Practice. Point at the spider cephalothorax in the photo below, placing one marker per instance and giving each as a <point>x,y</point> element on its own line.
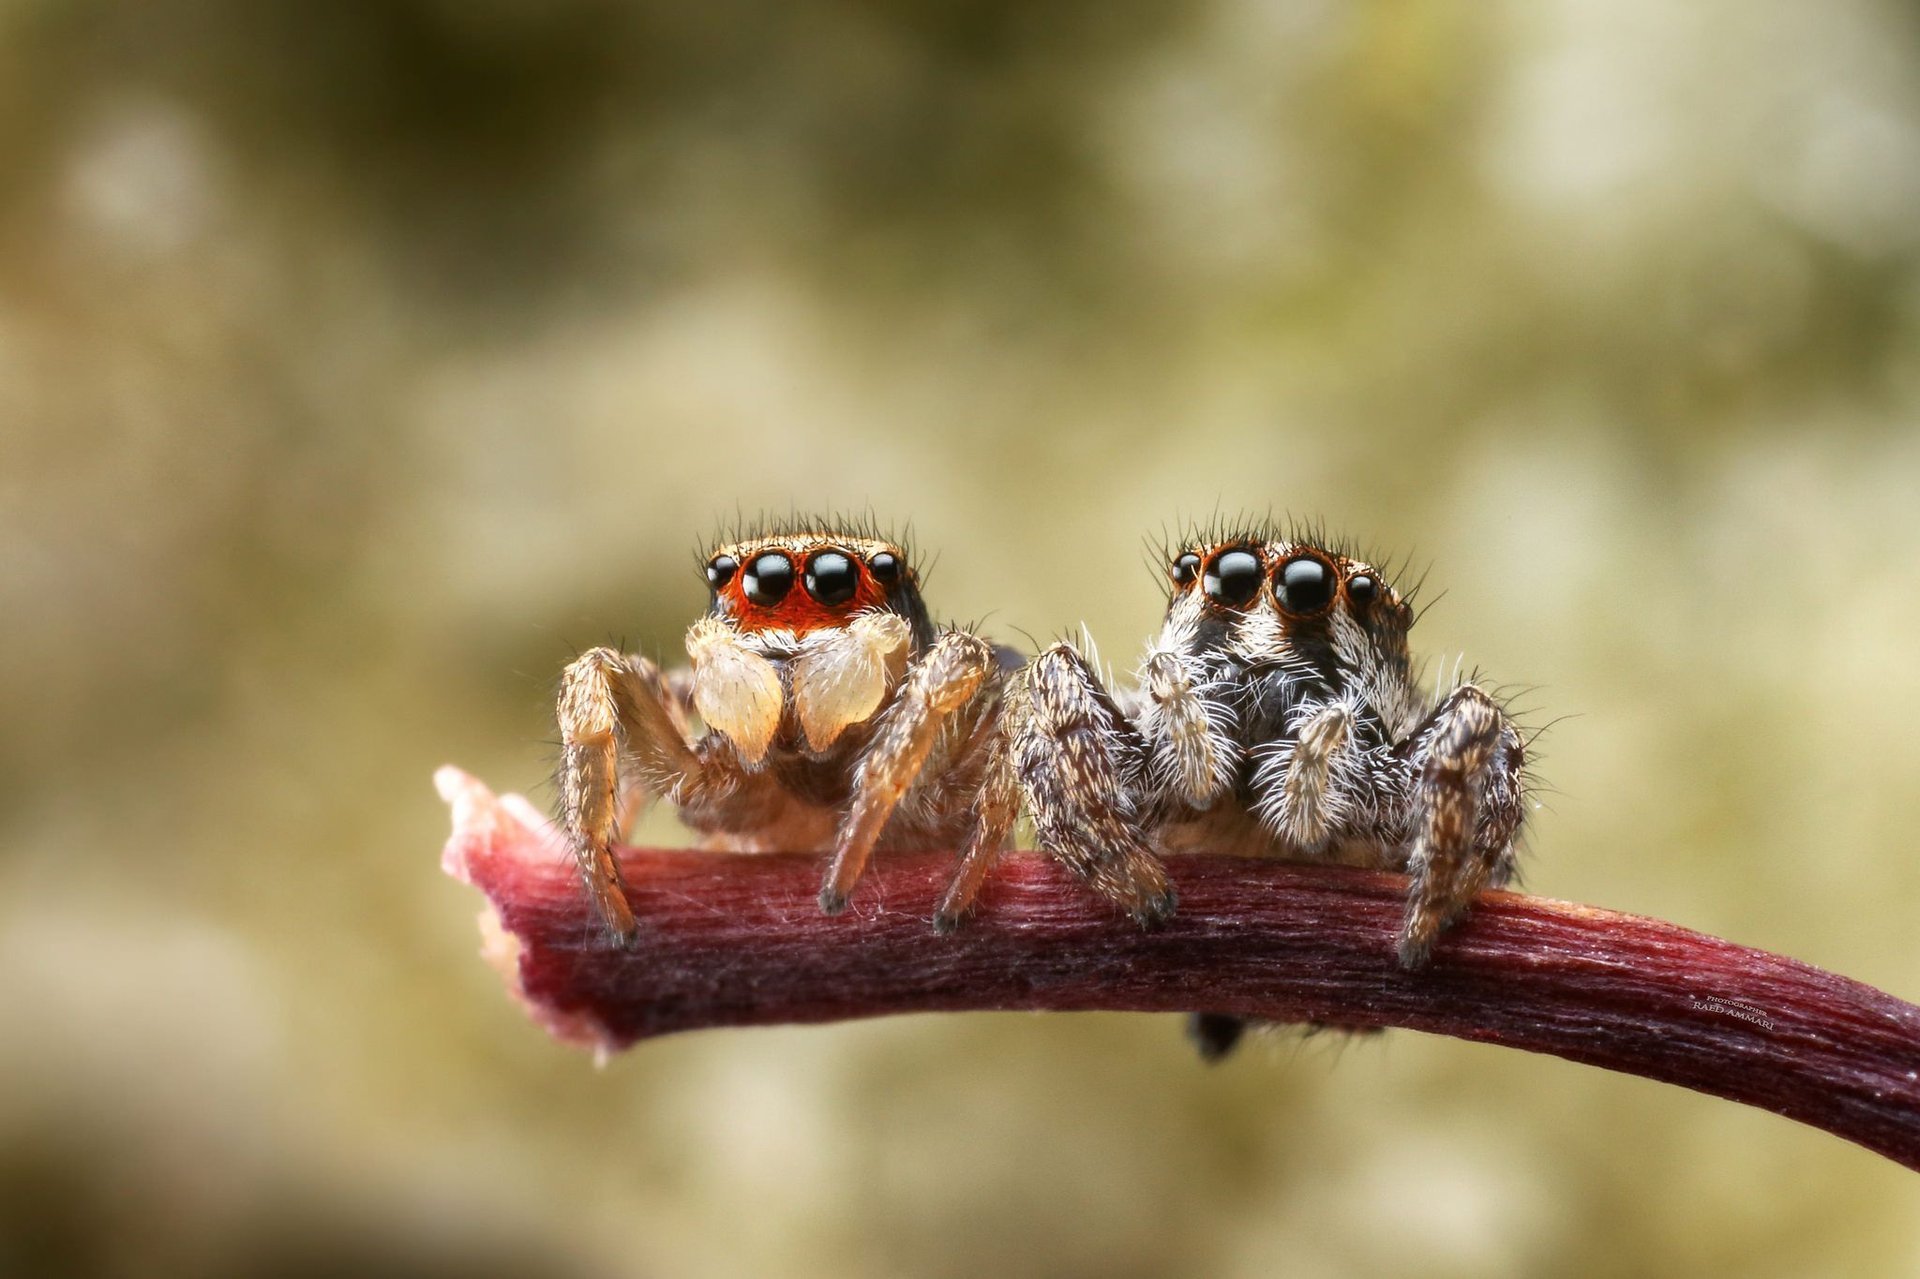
<point>836,716</point>
<point>1276,714</point>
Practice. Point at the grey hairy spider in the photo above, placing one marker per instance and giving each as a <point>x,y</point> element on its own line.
<point>836,716</point>
<point>1276,714</point>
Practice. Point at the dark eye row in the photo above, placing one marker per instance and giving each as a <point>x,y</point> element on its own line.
<point>1301,583</point>
<point>832,576</point>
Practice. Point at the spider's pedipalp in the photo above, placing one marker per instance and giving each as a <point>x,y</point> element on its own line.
<point>1303,780</point>
<point>1187,717</point>
<point>736,689</point>
<point>840,676</point>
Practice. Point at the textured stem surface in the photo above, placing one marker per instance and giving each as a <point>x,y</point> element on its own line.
<point>735,940</point>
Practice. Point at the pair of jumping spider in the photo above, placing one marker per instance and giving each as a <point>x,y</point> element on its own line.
<point>1276,714</point>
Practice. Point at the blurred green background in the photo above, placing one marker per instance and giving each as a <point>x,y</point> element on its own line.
<point>362,361</point>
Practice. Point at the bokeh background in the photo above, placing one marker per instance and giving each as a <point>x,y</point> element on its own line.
<point>362,361</point>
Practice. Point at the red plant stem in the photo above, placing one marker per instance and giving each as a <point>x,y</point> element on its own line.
<point>737,940</point>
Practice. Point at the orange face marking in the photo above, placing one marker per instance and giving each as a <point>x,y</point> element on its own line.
<point>791,599</point>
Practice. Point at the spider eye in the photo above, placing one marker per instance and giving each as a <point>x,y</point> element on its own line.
<point>1305,585</point>
<point>1362,589</point>
<point>1233,578</point>
<point>1184,569</point>
<point>720,570</point>
<point>885,568</point>
<point>768,579</point>
<point>831,577</point>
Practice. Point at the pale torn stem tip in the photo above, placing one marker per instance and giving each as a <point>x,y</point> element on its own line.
<point>509,826</point>
<point>482,819</point>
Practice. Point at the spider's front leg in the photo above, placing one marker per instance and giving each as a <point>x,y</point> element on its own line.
<point>613,703</point>
<point>1469,767</point>
<point>947,677</point>
<point>1080,764</point>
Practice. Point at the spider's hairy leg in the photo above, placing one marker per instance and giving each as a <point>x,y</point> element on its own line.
<point>1469,804</point>
<point>1305,779</point>
<point>1078,760</point>
<point>611,703</point>
<point>944,679</point>
<point>1196,760</point>
<point>996,809</point>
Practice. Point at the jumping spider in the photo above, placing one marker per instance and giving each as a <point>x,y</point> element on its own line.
<point>836,716</point>
<point>1277,715</point>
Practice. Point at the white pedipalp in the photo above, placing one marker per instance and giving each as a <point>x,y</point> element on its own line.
<point>736,690</point>
<point>1303,817</point>
<point>1183,714</point>
<point>841,676</point>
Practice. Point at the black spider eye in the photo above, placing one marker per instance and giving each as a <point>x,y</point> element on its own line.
<point>1361,589</point>
<point>1185,569</point>
<point>1233,578</point>
<point>831,577</point>
<point>768,579</point>
<point>720,570</point>
<point>885,568</point>
<point>1305,585</point>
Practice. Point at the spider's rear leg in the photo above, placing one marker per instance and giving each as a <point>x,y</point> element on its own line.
<point>1079,763</point>
<point>996,809</point>
<point>939,684</point>
<point>612,703</point>
<point>1470,790</point>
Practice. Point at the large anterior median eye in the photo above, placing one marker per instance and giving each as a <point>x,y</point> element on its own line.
<point>832,577</point>
<point>1233,578</point>
<point>768,579</point>
<point>1304,585</point>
